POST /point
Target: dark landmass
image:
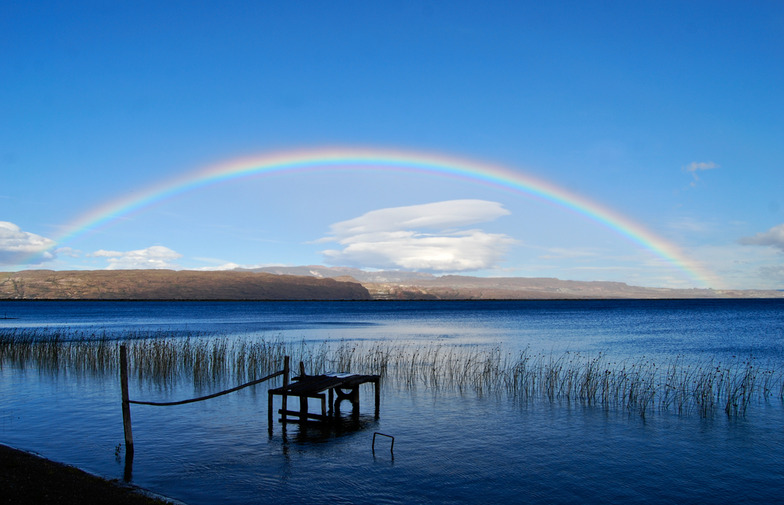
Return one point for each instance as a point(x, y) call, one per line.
point(27, 479)
point(475, 288)
point(401, 285)
point(363, 276)
point(323, 283)
point(172, 285)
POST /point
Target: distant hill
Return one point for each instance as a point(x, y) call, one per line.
point(172, 285)
point(322, 283)
point(362, 276)
point(402, 285)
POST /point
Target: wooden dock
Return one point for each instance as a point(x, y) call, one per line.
point(329, 388)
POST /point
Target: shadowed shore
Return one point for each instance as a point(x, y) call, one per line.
point(29, 479)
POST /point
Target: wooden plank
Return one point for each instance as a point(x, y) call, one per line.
point(318, 383)
point(313, 386)
point(289, 393)
point(298, 414)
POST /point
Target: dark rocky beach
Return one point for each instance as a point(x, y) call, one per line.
point(26, 478)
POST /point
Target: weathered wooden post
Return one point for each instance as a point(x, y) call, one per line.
point(376, 384)
point(303, 410)
point(303, 400)
point(284, 399)
point(126, 406)
point(269, 411)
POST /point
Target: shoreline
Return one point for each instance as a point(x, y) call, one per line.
point(27, 478)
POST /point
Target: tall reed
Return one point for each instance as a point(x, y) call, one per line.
point(639, 385)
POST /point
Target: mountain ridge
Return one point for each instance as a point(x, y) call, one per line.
point(172, 285)
point(405, 285)
point(317, 282)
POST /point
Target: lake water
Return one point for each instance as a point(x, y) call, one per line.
point(449, 446)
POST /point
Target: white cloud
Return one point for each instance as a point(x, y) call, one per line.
point(699, 166)
point(437, 215)
point(421, 237)
point(696, 166)
point(773, 238)
point(152, 257)
point(222, 267)
point(68, 251)
point(17, 246)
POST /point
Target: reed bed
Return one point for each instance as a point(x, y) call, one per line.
point(639, 385)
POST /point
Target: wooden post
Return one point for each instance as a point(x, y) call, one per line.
point(354, 398)
point(284, 399)
point(269, 412)
point(126, 407)
point(303, 410)
point(376, 384)
point(303, 400)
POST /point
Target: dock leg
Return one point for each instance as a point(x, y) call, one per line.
point(378, 394)
point(269, 412)
point(354, 401)
point(303, 410)
point(341, 395)
point(284, 398)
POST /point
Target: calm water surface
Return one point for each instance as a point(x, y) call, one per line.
point(449, 448)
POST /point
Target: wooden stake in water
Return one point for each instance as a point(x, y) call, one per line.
point(284, 400)
point(126, 406)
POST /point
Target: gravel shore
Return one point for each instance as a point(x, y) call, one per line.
point(29, 479)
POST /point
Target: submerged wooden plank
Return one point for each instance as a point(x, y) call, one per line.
point(298, 415)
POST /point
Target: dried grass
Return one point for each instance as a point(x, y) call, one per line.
point(639, 385)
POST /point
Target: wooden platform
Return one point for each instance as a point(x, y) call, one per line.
point(330, 389)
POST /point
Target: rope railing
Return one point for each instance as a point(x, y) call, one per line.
point(214, 395)
point(126, 401)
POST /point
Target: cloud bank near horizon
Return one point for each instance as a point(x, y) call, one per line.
point(427, 237)
point(155, 257)
point(17, 246)
point(772, 238)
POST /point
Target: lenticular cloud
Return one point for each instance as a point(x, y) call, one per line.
point(155, 257)
point(17, 246)
point(421, 237)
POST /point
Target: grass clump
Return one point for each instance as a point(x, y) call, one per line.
point(638, 385)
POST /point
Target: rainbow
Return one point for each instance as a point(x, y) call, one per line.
point(335, 159)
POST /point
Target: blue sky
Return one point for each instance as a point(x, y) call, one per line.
point(669, 113)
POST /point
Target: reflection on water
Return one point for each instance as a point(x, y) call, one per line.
point(452, 444)
point(448, 448)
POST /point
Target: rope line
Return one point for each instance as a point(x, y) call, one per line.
point(202, 398)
